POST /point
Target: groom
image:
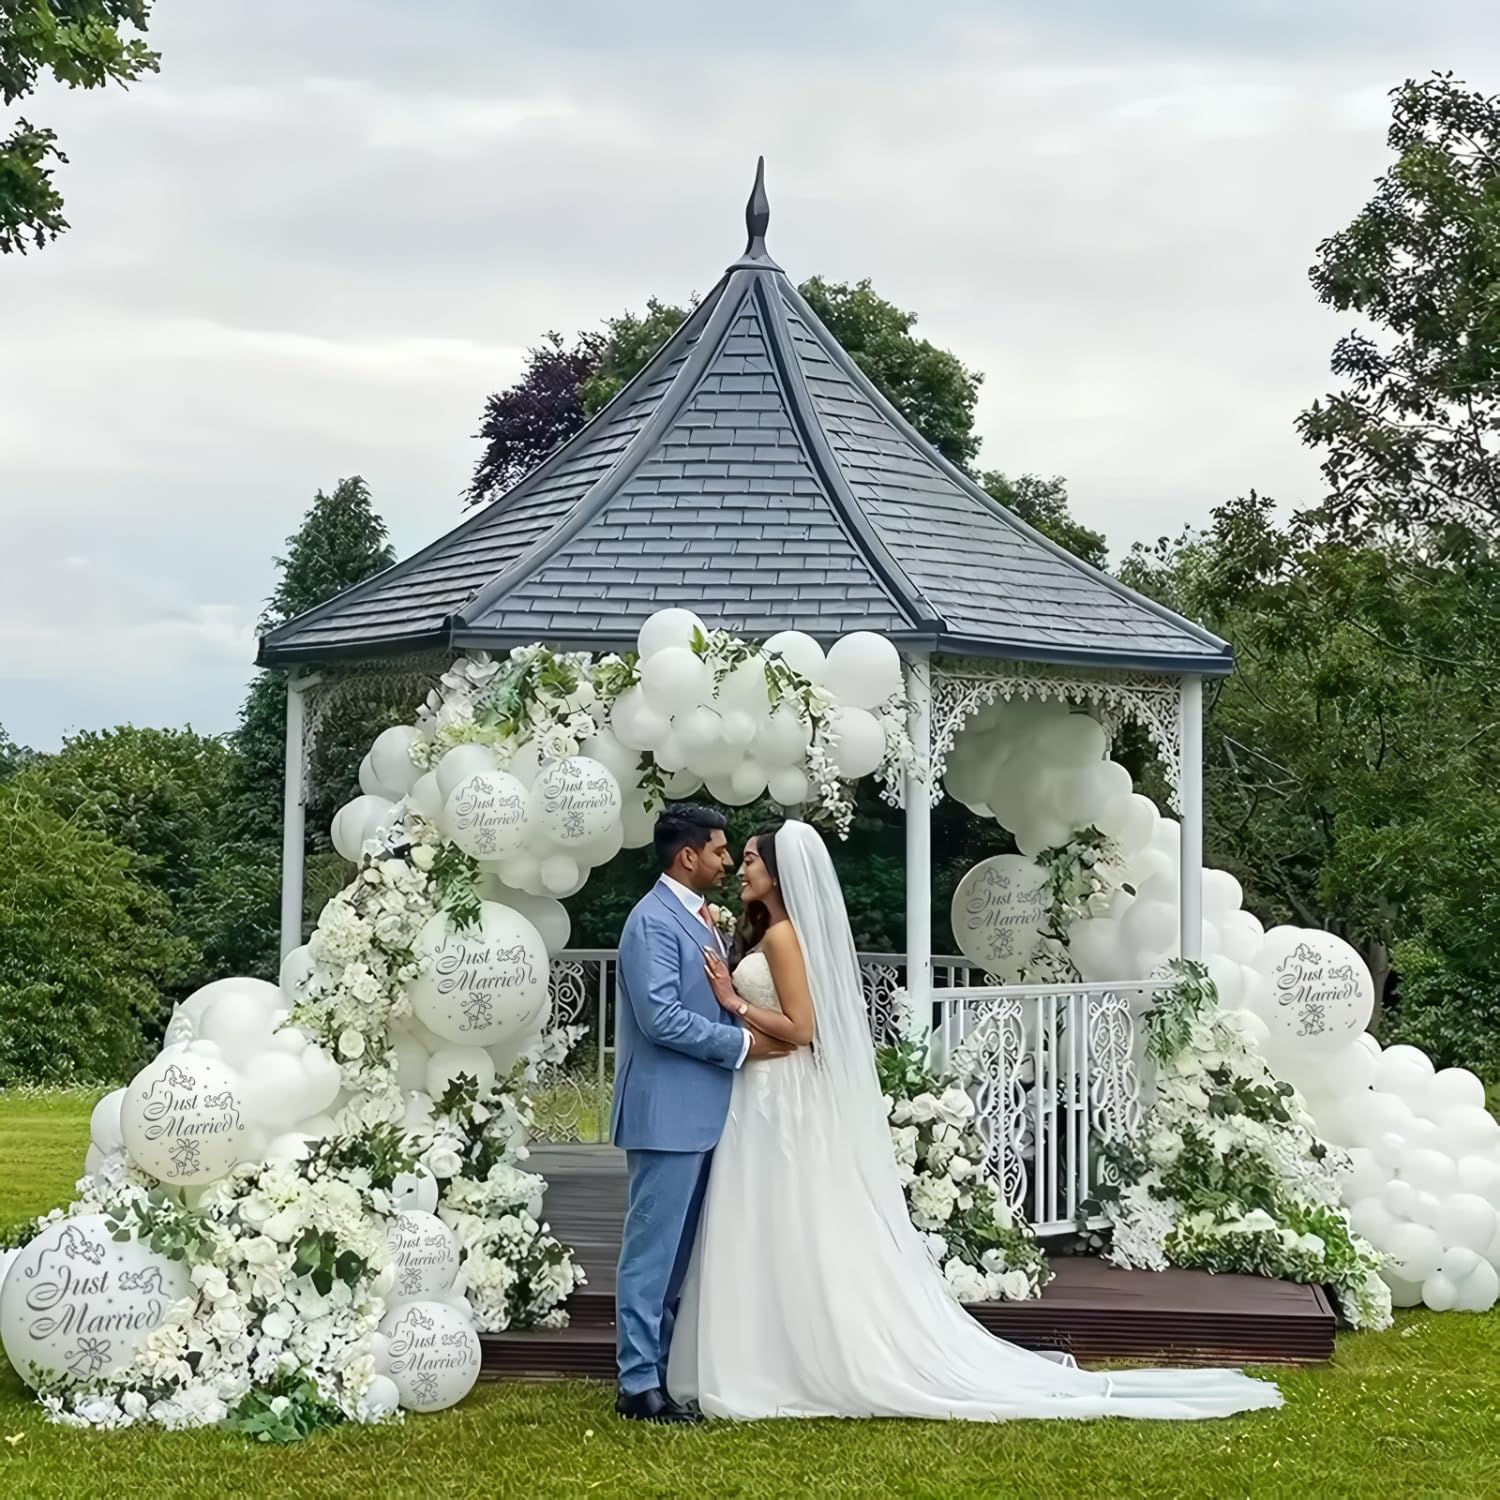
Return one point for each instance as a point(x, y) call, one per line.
point(676, 1051)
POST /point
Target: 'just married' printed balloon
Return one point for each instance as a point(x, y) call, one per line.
point(433, 1354)
point(76, 1303)
point(183, 1118)
point(999, 909)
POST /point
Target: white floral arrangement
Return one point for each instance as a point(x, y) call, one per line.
point(986, 1252)
point(1227, 1172)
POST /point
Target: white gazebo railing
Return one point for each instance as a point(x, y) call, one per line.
point(1057, 1072)
point(1055, 1068)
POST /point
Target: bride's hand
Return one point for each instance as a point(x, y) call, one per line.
point(720, 982)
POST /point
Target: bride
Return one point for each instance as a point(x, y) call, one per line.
point(810, 1292)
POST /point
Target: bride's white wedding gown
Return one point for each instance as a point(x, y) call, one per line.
point(809, 1297)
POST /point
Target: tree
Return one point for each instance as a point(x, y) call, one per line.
point(929, 386)
point(80, 45)
point(341, 542)
point(1339, 761)
point(1043, 503)
point(522, 424)
point(12, 756)
point(1411, 440)
point(86, 950)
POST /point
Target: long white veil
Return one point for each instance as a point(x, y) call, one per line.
point(842, 1043)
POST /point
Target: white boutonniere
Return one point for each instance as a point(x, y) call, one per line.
point(724, 919)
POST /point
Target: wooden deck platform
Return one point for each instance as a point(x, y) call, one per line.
point(1090, 1310)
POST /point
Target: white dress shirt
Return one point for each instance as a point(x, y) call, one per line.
point(695, 903)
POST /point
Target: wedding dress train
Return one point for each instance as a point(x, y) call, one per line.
point(810, 1292)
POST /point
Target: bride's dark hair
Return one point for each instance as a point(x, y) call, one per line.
point(755, 918)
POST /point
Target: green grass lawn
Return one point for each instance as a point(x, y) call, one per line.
point(1413, 1412)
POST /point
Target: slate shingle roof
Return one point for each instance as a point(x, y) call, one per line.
point(752, 473)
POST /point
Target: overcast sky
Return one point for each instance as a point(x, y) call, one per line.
point(313, 244)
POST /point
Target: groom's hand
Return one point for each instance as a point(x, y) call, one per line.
point(762, 1045)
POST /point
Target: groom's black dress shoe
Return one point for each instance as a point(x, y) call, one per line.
point(653, 1406)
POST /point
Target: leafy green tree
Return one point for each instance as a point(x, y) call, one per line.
point(86, 949)
point(1043, 503)
point(12, 756)
point(341, 542)
point(1409, 440)
point(931, 387)
point(79, 44)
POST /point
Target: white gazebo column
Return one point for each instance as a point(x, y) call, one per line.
point(919, 836)
point(1190, 798)
point(293, 845)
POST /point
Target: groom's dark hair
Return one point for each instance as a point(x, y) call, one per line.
point(685, 825)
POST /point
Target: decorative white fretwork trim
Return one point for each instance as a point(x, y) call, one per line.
point(962, 687)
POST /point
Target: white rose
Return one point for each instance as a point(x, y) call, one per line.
point(260, 1251)
point(442, 1160)
point(955, 1107)
point(924, 1109)
point(424, 856)
point(1014, 1286)
point(351, 1043)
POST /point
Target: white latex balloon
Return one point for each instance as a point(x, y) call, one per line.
point(744, 691)
point(324, 1080)
point(359, 821)
point(433, 1356)
point(635, 723)
point(858, 742)
point(371, 783)
point(1371, 1218)
point(748, 780)
point(638, 823)
point(424, 1251)
point(381, 1398)
point(562, 876)
point(75, 1303)
point(548, 916)
point(668, 627)
point(460, 763)
point(1466, 1220)
point(800, 652)
point(1469, 1128)
point(675, 680)
point(522, 870)
point(1430, 1172)
point(276, 1090)
point(724, 791)
point(783, 739)
point(788, 785)
point(1403, 1293)
point(1403, 1070)
point(296, 970)
point(482, 985)
point(445, 1067)
point(411, 1061)
point(575, 802)
point(390, 758)
point(1222, 896)
point(1480, 1290)
point(678, 787)
point(184, 1121)
point(1365, 1177)
point(1439, 1293)
point(621, 761)
point(601, 850)
point(426, 798)
point(1455, 1088)
point(1322, 991)
point(998, 912)
point(1476, 1174)
point(104, 1123)
point(485, 815)
point(863, 670)
point(418, 1189)
point(1417, 1251)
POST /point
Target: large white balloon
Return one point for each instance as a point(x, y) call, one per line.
point(433, 1355)
point(183, 1118)
point(675, 680)
point(486, 814)
point(426, 798)
point(1322, 994)
point(788, 785)
point(783, 738)
point(482, 985)
point(999, 910)
point(104, 1123)
point(77, 1304)
point(390, 758)
point(575, 801)
point(800, 652)
point(863, 670)
point(635, 723)
point(858, 742)
point(359, 821)
point(548, 916)
point(668, 627)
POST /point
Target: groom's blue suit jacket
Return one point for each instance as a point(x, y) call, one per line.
point(676, 1048)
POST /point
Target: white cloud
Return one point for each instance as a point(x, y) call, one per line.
point(323, 235)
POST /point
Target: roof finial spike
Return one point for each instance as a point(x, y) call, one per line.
point(757, 214)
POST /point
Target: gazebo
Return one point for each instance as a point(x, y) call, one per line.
point(752, 473)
